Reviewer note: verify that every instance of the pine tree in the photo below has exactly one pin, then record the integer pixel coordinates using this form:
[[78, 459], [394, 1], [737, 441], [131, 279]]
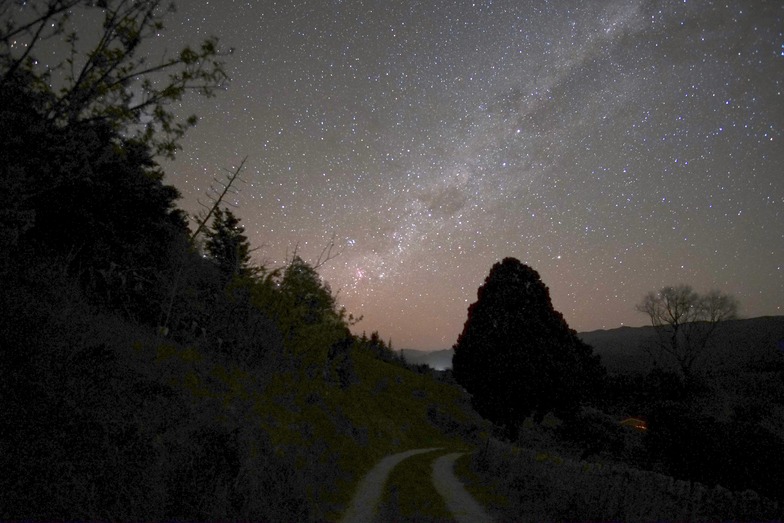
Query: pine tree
[[516, 355], [310, 297], [228, 246]]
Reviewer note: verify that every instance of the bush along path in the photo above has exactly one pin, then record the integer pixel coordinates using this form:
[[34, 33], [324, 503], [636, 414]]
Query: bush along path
[[460, 503]]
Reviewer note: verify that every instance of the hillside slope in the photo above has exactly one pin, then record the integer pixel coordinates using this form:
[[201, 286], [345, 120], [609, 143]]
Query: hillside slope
[[437, 359], [735, 344], [623, 350]]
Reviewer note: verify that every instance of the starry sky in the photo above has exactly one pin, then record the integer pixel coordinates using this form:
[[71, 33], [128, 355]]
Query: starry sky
[[615, 146]]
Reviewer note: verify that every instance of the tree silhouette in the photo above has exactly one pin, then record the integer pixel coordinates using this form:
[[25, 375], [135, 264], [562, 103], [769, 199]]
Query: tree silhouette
[[111, 82], [516, 354], [84, 195], [228, 247], [311, 298], [685, 322], [81, 131]]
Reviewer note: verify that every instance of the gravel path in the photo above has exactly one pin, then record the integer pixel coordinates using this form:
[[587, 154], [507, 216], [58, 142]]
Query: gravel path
[[370, 489], [463, 506]]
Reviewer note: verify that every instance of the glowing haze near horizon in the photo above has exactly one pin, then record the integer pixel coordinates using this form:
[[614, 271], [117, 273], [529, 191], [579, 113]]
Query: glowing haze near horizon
[[616, 147]]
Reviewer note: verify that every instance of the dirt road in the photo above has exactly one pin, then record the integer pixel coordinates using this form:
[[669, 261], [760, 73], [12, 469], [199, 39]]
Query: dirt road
[[370, 489], [462, 505]]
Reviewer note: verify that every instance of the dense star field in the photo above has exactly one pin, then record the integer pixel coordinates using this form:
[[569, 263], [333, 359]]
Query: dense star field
[[616, 147]]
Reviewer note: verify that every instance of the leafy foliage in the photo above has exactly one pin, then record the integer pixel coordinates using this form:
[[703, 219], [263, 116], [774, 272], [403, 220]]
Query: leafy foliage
[[688, 443], [79, 178], [718, 430], [114, 82], [516, 354], [310, 298], [87, 195]]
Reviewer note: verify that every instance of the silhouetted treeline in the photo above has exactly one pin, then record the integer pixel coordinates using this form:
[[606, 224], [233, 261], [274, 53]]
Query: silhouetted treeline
[[518, 358], [121, 330]]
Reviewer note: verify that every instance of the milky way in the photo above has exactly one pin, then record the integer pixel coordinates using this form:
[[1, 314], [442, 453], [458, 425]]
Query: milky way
[[616, 147]]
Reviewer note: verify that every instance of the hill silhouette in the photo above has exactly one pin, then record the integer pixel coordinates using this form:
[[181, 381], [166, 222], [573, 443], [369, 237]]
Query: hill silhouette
[[737, 343], [437, 359]]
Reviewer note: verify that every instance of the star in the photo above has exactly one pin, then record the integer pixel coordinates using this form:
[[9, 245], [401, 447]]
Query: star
[[615, 147]]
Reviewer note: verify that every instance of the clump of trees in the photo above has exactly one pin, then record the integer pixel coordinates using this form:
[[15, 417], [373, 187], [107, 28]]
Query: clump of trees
[[79, 179], [126, 336], [698, 428], [517, 355], [228, 246]]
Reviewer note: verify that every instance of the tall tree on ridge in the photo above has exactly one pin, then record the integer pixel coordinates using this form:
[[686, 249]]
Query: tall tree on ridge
[[516, 355]]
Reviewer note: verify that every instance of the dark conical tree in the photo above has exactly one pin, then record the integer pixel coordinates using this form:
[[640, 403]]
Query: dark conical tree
[[311, 298], [227, 245], [516, 355]]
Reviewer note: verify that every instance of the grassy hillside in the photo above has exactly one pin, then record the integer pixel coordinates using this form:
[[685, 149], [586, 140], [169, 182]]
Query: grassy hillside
[[100, 405], [337, 433], [107, 419], [388, 410]]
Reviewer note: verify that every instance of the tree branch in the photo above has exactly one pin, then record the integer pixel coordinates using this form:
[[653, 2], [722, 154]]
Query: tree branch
[[216, 203]]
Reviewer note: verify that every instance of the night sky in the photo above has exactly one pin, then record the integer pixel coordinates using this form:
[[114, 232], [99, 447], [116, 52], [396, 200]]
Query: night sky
[[615, 146]]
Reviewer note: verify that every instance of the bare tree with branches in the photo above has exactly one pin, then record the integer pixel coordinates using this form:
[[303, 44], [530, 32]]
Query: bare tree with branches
[[686, 321]]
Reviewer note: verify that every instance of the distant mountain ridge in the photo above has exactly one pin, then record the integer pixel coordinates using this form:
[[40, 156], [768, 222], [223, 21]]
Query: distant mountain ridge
[[438, 359], [736, 342]]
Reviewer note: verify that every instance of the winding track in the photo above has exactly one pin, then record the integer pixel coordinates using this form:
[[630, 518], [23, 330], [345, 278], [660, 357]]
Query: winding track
[[363, 506], [462, 505]]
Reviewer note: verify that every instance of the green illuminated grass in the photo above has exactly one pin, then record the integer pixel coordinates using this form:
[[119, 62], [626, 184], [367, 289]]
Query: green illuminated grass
[[341, 433], [486, 494], [384, 413], [409, 493]]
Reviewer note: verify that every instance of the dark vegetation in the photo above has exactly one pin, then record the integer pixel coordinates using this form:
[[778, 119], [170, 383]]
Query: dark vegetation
[[517, 356], [723, 424], [684, 322], [149, 370], [702, 417]]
